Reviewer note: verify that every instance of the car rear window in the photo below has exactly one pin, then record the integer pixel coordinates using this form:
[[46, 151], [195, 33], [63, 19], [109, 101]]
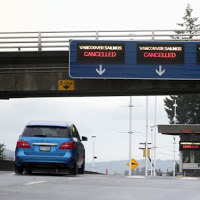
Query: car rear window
[[46, 131]]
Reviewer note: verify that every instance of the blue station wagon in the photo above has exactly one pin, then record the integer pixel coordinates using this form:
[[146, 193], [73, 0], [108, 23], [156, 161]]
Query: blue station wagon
[[50, 145]]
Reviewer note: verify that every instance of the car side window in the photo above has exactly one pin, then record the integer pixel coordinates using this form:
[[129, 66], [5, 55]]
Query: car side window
[[75, 133]]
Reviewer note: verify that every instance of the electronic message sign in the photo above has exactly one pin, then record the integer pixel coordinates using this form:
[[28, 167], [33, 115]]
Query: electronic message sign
[[198, 53], [189, 146], [157, 53], [101, 53], [169, 60]]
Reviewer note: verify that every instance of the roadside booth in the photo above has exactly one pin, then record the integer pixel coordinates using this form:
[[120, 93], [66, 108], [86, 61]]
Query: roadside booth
[[189, 146]]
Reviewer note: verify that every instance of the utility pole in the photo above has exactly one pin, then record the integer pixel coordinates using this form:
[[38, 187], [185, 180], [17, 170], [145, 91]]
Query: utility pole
[[130, 135], [155, 126], [146, 135], [93, 157], [146, 153], [152, 148], [174, 119], [174, 164]]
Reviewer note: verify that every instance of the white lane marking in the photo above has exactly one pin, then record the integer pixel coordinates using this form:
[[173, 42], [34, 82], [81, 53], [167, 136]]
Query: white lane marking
[[75, 178], [35, 182], [135, 177], [189, 178], [11, 174]]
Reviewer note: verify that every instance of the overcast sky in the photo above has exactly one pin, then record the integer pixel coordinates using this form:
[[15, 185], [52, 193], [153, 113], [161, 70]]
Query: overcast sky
[[106, 116]]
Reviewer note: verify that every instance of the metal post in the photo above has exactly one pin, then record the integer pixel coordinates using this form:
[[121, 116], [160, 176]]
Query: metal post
[[93, 167], [97, 35], [174, 163], [130, 135], [93, 157], [39, 42], [146, 146], [153, 35], [181, 162], [175, 105], [151, 150], [155, 126]]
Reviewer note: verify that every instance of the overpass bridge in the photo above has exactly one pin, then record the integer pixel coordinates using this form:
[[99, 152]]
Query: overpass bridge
[[36, 64]]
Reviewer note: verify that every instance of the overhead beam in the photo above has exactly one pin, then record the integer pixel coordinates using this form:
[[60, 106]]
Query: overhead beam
[[179, 129], [37, 74]]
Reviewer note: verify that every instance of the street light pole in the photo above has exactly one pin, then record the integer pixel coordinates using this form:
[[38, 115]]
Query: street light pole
[[174, 165], [175, 105], [155, 126], [152, 148], [174, 119], [130, 135], [146, 136], [93, 157]]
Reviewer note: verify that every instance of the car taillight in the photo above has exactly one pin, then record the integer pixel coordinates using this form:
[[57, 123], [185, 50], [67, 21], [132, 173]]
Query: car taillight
[[67, 145], [23, 144]]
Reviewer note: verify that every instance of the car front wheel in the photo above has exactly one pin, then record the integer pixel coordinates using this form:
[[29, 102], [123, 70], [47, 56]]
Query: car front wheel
[[18, 169]]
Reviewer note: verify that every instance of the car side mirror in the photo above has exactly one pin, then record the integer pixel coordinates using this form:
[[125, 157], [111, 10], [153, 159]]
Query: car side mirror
[[84, 138]]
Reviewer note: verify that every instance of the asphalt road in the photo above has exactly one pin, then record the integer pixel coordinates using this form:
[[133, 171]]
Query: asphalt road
[[98, 187]]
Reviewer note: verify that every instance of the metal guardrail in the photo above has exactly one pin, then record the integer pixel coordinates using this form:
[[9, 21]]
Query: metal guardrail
[[59, 40]]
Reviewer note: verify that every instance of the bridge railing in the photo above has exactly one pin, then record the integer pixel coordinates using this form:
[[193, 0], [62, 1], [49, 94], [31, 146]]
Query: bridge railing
[[59, 40]]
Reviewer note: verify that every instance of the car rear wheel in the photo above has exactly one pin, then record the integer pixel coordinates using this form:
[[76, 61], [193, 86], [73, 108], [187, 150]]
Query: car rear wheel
[[82, 169], [74, 170], [18, 169], [29, 171]]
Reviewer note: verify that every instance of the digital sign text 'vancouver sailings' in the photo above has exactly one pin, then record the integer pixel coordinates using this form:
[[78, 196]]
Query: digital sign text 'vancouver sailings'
[[160, 53], [114, 53]]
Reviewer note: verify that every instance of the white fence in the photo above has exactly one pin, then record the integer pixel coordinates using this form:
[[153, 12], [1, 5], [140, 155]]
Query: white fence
[[59, 40]]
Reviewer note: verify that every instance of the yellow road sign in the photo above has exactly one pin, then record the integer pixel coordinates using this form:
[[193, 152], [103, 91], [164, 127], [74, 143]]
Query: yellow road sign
[[66, 85], [148, 153], [134, 164]]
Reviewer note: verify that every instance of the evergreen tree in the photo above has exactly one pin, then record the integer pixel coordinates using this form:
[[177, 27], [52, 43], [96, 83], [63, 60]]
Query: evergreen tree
[[2, 149], [188, 106], [189, 23], [188, 109]]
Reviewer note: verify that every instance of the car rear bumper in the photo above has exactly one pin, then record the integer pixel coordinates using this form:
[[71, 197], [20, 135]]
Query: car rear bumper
[[42, 165], [55, 162]]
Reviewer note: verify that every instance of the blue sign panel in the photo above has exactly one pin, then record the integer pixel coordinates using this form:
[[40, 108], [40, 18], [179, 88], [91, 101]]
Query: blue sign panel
[[134, 60]]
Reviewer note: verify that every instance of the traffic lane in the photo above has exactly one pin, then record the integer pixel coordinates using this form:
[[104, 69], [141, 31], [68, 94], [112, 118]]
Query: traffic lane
[[95, 187]]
